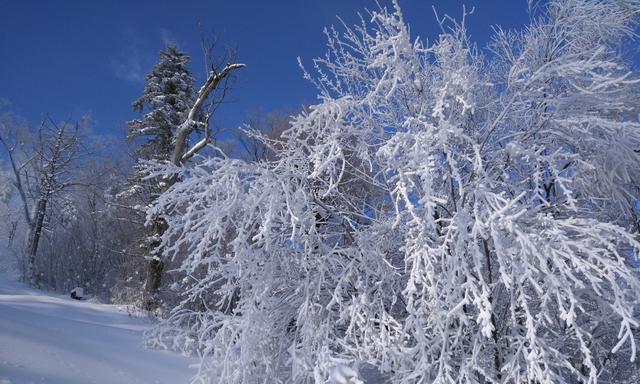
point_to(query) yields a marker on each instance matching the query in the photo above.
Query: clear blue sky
(68, 58)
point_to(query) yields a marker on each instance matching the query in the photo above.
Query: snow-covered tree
(90, 232)
(57, 226)
(43, 171)
(174, 111)
(167, 97)
(440, 215)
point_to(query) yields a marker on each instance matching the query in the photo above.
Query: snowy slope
(47, 338)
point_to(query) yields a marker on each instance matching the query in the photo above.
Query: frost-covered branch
(441, 216)
(185, 129)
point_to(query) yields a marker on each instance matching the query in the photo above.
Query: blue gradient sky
(69, 58)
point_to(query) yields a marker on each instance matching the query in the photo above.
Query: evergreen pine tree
(168, 95)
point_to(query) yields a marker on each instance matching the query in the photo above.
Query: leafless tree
(42, 170)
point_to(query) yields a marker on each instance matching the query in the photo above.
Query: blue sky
(68, 58)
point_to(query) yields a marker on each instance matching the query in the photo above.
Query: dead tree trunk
(178, 157)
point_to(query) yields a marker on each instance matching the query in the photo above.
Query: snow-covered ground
(49, 338)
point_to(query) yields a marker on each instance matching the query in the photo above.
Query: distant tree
(258, 128)
(11, 221)
(43, 170)
(86, 245)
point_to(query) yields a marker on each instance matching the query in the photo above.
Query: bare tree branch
(183, 131)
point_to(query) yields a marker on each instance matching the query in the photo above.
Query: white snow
(342, 374)
(53, 339)
(78, 292)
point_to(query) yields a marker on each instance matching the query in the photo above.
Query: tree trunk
(178, 157)
(34, 238)
(155, 266)
(497, 361)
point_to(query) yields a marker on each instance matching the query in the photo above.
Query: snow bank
(53, 339)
